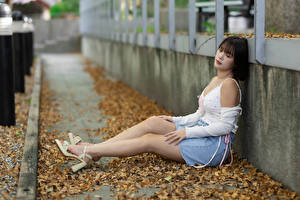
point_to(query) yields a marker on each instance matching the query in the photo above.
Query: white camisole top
(210, 105)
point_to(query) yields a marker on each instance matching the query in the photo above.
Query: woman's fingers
(170, 137)
(165, 117)
(175, 141)
(168, 134)
(179, 140)
(175, 137)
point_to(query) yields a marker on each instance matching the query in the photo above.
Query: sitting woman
(200, 139)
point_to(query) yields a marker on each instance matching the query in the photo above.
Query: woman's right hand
(165, 117)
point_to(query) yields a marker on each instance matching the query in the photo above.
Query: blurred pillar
(18, 46)
(27, 46)
(7, 98)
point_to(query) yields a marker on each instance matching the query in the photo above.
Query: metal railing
(106, 19)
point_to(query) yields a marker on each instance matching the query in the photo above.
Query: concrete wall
(269, 127)
(56, 36)
(50, 31)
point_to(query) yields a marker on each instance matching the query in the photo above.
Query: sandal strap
(65, 144)
(77, 139)
(84, 154)
(74, 139)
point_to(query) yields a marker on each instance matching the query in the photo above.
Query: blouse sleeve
(188, 119)
(193, 118)
(223, 126)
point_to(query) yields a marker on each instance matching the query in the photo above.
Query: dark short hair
(238, 48)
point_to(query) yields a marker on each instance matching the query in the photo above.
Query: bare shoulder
(230, 85)
(214, 78)
(229, 93)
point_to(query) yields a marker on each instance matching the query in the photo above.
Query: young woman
(200, 139)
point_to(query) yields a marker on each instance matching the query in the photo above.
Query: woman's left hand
(175, 137)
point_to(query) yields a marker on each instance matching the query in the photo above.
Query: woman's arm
(222, 127)
(229, 114)
(191, 118)
(187, 119)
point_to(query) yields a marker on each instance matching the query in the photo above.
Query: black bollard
(26, 35)
(31, 41)
(19, 73)
(7, 98)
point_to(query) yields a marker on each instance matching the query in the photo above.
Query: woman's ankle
(92, 153)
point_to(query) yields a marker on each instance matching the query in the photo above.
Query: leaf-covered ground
(267, 35)
(12, 141)
(126, 175)
(245, 35)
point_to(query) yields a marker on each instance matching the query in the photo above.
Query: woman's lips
(219, 63)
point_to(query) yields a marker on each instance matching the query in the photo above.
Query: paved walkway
(79, 105)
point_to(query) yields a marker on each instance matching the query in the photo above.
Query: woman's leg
(153, 124)
(149, 143)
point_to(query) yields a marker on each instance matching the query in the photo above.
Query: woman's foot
(84, 143)
(78, 150)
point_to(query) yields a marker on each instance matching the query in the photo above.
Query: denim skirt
(197, 151)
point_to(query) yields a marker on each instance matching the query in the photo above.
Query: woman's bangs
(228, 48)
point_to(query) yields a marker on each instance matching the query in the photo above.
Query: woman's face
(223, 61)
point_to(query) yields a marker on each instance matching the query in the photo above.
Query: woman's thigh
(157, 144)
(158, 125)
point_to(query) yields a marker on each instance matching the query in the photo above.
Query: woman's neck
(224, 74)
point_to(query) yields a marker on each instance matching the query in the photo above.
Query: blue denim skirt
(197, 151)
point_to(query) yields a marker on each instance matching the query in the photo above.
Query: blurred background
(57, 21)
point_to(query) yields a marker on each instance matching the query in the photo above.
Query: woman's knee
(148, 140)
(151, 122)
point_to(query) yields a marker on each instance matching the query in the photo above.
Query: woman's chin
(217, 66)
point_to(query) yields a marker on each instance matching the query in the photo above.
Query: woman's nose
(221, 54)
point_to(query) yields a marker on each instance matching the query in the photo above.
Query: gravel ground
(12, 142)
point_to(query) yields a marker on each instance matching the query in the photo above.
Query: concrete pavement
(78, 104)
